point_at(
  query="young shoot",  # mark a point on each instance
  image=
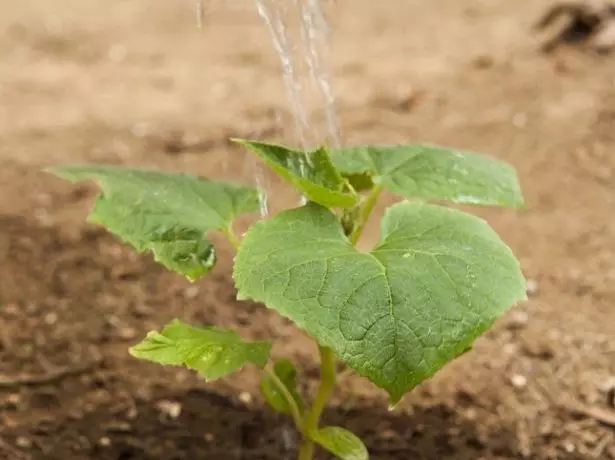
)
(437, 279)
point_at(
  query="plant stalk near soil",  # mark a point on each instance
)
(436, 281)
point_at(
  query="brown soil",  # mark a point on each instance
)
(136, 83)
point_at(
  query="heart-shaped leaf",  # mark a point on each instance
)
(168, 214)
(437, 280)
(213, 352)
(312, 173)
(429, 172)
(341, 443)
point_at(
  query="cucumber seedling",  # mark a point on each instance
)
(437, 279)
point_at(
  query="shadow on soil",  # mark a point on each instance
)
(213, 427)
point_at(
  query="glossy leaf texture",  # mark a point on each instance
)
(286, 374)
(432, 173)
(437, 280)
(212, 352)
(341, 442)
(168, 214)
(311, 173)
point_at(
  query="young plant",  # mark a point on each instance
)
(438, 278)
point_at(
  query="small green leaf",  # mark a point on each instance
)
(438, 279)
(168, 214)
(433, 173)
(213, 352)
(287, 375)
(341, 443)
(312, 173)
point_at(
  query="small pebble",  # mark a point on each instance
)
(209, 437)
(518, 319)
(531, 288)
(569, 447)
(518, 381)
(471, 413)
(171, 409)
(12, 401)
(191, 292)
(126, 333)
(10, 310)
(23, 442)
(132, 413)
(609, 389)
(51, 318)
(289, 440)
(245, 397)
(104, 441)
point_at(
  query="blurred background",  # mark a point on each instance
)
(138, 83)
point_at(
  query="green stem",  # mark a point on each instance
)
(232, 237)
(306, 450)
(295, 411)
(312, 418)
(366, 210)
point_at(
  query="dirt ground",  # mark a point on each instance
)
(134, 82)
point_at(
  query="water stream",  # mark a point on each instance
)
(299, 32)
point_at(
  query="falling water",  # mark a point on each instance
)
(200, 12)
(297, 45)
(279, 17)
(315, 30)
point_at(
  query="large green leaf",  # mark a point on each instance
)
(341, 442)
(286, 374)
(437, 280)
(312, 173)
(432, 173)
(168, 214)
(212, 352)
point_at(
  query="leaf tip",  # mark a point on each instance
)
(134, 351)
(394, 400)
(236, 140)
(57, 171)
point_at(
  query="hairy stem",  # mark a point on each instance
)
(366, 210)
(312, 417)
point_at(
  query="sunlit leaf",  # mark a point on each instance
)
(437, 280)
(213, 352)
(312, 173)
(432, 173)
(168, 214)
